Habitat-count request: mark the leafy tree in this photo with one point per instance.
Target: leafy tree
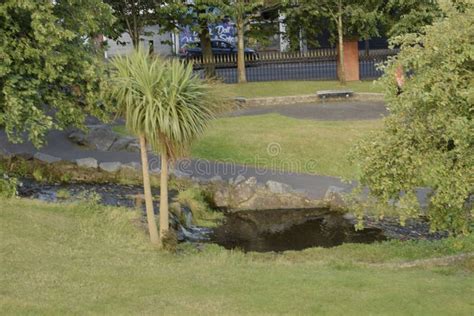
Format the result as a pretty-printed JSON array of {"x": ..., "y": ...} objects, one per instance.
[
  {"x": 408, "y": 16},
  {"x": 50, "y": 72},
  {"x": 132, "y": 16},
  {"x": 344, "y": 18},
  {"x": 427, "y": 139},
  {"x": 166, "y": 106},
  {"x": 247, "y": 15}
]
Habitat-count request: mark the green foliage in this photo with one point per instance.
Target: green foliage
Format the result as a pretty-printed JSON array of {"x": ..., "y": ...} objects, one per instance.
[
  {"x": 359, "y": 18},
  {"x": 132, "y": 17},
  {"x": 428, "y": 138},
  {"x": 196, "y": 200},
  {"x": 50, "y": 68},
  {"x": 8, "y": 186}
]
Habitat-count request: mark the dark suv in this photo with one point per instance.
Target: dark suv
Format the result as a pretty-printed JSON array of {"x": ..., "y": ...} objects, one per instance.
[{"x": 219, "y": 47}]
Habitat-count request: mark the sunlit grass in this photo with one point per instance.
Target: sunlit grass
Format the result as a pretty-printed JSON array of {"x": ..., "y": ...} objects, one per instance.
[{"x": 86, "y": 259}]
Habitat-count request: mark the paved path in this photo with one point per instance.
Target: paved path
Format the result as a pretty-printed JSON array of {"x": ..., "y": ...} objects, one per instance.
[{"x": 313, "y": 185}]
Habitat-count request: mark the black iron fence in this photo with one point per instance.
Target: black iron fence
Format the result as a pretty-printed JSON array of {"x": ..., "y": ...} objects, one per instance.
[{"x": 313, "y": 65}]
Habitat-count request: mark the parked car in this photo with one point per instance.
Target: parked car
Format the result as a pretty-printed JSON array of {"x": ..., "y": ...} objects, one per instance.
[{"x": 219, "y": 47}]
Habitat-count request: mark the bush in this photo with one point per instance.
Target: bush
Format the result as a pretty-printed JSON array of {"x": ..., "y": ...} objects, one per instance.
[{"x": 427, "y": 140}]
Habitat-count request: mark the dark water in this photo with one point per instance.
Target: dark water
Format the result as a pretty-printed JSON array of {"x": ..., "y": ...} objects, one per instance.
[{"x": 280, "y": 230}]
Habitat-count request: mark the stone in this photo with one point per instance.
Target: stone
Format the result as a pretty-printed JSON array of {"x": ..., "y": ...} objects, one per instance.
[
  {"x": 25, "y": 156},
  {"x": 110, "y": 166},
  {"x": 334, "y": 197},
  {"x": 78, "y": 137},
  {"x": 244, "y": 191},
  {"x": 216, "y": 179},
  {"x": 221, "y": 198},
  {"x": 278, "y": 187},
  {"x": 133, "y": 146},
  {"x": 121, "y": 144},
  {"x": 46, "y": 158},
  {"x": 239, "y": 179},
  {"x": 101, "y": 137},
  {"x": 87, "y": 163},
  {"x": 132, "y": 166},
  {"x": 179, "y": 174}
]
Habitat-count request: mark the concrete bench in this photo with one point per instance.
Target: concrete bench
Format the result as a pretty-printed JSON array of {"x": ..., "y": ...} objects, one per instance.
[{"x": 326, "y": 94}]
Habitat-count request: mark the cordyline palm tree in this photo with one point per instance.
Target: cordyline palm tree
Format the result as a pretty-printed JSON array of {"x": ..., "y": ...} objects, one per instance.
[{"x": 167, "y": 106}]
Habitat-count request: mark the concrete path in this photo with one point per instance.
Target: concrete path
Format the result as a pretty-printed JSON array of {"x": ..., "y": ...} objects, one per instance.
[{"x": 314, "y": 186}]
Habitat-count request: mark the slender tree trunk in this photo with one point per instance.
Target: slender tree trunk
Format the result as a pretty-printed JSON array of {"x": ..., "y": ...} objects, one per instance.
[
  {"x": 207, "y": 54},
  {"x": 342, "y": 71},
  {"x": 150, "y": 214},
  {"x": 164, "y": 217},
  {"x": 242, "y": 76}
]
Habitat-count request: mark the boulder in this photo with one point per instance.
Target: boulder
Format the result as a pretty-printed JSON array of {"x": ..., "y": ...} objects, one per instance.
[
  {"x": 335, "y": 197},
  {"x": 133, "y": 146},
  {"x": 110, "y": 166},
  {"x": 24, "y": 155},
  {"x": 239, "y": 179},
  {"x": 216, "y": 179},
  {"x": 121, "y": 144},
  {"x": 135, "y": 166},
  {"x": 222, "y": 198},
  {"x": 179, "y": 174},
  {"x": 87, "y": 163},
  {"x": 46, "y": 158},
  {"x": 78, "y": 137},
  {"x": 101, "y": 137},
  {"x": 244, "y": 191},
  {"x": 278, "y": 187}
]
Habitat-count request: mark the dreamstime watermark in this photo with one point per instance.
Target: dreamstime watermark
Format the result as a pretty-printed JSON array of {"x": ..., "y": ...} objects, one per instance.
[{"x": 272, "y": 163}]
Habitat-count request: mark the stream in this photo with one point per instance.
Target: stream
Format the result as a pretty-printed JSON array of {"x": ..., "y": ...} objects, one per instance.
[{"x": 261, "y": 231}]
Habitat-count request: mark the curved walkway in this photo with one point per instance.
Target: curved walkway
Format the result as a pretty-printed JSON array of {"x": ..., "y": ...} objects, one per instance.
[{"x": 314, "y": 186}]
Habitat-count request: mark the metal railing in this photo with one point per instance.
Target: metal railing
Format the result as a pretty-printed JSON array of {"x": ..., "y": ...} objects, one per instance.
[{"x": 318, "y": 64}]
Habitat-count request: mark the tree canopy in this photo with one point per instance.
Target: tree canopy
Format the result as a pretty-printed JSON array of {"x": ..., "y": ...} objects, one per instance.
[
  {"x": 49, "y": 68},
  {"x": 427, "y": 140}
]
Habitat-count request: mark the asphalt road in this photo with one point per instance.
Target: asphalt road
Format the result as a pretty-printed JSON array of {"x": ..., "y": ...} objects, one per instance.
[{"x": 314, "y": 186}]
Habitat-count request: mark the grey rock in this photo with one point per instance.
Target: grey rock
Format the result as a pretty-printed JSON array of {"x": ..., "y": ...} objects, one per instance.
[
  {"x": 101, "y": 137},
  {"x": 231, "y": 181},
  {"x": 110, "y": 166},
  {"x": 46, "y": 158},
  {"x": 25, "y": 156},
  {"x": 78, "y": 137},
  {"x": 244, "y": 191},
  {"x": 222, "y": 198},
  {"x": 278, "y": 187},
  {"x": 155, "y": 171},
  {"x": 121, "y": 144},
  {"x": 179, "y": 174},
  {"x": 87, "y": 163},
  {"x": 239, "y": 179},
  {"x": 132, "y": 166},
  {"x": 133, "y": 146},
  {"x": 216, "y": 179},
  {"x": 349, "y": 216},
  {"x": 335, "y": 197}
]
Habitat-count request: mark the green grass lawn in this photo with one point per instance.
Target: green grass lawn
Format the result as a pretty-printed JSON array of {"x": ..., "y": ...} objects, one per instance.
[
  {"x": 86, "y": 259},
  {"x": 307, "y": 146},
  {"x": 286, "y": 88}
]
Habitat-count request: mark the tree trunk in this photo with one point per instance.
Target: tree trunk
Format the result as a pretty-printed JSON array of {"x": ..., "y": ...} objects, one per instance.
[
  {"x": 207, "y": 54},
  {"x": 342, "y": 71},
  {"x": 242, "y": 76},
  {"x": 164, "y": 217},
  {"x": 150, "y": 214}
]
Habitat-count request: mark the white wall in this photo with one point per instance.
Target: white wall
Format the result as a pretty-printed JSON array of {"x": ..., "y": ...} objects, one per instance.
[{"x": 159, "y": 48}]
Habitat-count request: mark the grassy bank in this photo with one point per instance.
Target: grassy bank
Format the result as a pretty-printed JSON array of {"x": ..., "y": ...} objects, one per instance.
[
  {"x": 287, "y": 88},
  {"x": 65, "y": 259},
  {"x": 283, "y": 143}
]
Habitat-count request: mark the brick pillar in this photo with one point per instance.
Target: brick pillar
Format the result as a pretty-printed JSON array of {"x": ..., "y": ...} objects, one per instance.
[{"x": 351, "y": 60}]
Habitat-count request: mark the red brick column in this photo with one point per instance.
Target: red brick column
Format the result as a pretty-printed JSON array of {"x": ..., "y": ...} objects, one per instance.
[{"x": 351, "y": 59}]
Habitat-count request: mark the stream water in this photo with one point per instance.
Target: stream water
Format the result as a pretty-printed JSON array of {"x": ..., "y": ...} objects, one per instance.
[{"x": 263, "y": 230}]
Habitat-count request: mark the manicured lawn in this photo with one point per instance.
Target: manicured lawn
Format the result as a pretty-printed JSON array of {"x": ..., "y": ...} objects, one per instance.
[
  {"x": 307, "y": 146},
  {"x": 86, "y": 259},
  {"x": 286, "y": 88}
]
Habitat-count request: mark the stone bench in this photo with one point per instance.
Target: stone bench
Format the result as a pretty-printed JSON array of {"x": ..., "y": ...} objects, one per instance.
[{"x": 326, "y": 94}]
